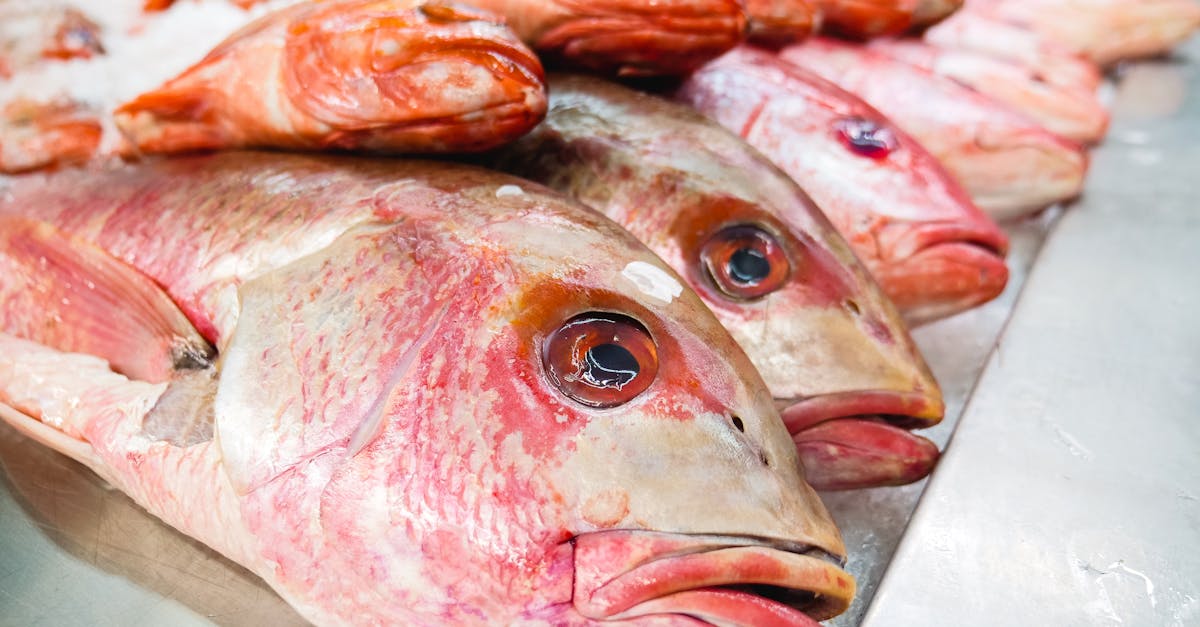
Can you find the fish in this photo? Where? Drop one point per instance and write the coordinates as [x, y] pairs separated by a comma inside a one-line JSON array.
[[406, 392], [1009, 164], [625, 37], [1075, 114], [777, 22], [932, 251], [1050, 61], [32, 33], [40, 134], [930, 12], [385, 76], [833, 351], [1105, 31]]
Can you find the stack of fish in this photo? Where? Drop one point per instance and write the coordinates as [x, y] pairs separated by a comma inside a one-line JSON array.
[[598, 386]]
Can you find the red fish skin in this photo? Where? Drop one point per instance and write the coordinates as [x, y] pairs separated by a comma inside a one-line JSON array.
[[625, 37], [460, 504], [1011, 165], [36, 135], [864, 19], [902, 213], [675, 180], [778, 22], [391, 76]]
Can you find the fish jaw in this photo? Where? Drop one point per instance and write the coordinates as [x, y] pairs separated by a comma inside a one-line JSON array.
[[376, 75], [628, 574], [851, 454], [631, 38], [38, 134], [777, 22]]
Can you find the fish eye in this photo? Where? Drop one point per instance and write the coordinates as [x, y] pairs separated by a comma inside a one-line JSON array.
[[745, 262], [601, 359], [865, 137]]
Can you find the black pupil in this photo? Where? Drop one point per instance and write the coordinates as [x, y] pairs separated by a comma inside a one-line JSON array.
[[748, 266], [609, 366], [866, 137]]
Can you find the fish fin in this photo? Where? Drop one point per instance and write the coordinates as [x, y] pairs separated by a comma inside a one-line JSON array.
[[177, 117], [64, 292]]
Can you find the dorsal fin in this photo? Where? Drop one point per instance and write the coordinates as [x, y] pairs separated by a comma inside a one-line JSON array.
[[66, 293]]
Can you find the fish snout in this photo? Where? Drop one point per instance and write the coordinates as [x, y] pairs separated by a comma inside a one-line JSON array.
[[854, 440], [727, 580], [1015, 171], [936, 270]]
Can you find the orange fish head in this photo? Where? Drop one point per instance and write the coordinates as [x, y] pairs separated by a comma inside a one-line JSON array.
[[436, 69]]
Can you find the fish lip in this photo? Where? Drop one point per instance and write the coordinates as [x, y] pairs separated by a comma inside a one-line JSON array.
[[909, 410], [681, 573]]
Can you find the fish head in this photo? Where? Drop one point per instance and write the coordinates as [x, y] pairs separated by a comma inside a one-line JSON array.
[[367, 65], [755, 249], [456, 409], [634, 38], [931, 249], [869, 18]]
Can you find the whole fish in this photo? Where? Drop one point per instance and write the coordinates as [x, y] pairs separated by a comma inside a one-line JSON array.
[[393, 76], [1075, 114], [1105, 31], [407, 393], [1050, 61], [831, 348], [778, 22], [931, 250], [1009, 163]]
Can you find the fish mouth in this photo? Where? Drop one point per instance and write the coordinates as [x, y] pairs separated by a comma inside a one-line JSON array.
[[854, 440], [943, 269], [718, 580], [646, 40]]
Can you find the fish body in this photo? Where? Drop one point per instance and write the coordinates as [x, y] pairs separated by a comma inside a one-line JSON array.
[[1052, 62], [931, 250], [1009, 163], [763, 258], [406, 393], [1105, 31], [391, 76], [1075, 114], [777, 22], [625, 37]]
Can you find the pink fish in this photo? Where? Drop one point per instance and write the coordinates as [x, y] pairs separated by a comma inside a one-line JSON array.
[[1105, 31], [831, 348], [1075, 114], [394, 76], [1009, 163], [407, 393], [1053, 62], [931, 250]]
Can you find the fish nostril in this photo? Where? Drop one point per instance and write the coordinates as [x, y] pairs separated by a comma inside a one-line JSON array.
[[763, 458], [852, 306], [737, 423]]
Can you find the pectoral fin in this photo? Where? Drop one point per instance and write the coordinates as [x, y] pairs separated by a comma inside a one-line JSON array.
[[68, 294]]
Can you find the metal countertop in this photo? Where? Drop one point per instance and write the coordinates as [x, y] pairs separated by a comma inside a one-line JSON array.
[[1069, 495]]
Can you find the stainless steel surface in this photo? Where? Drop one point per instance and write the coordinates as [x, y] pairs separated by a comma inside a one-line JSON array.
[[1069, 495], [1071, 492]]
